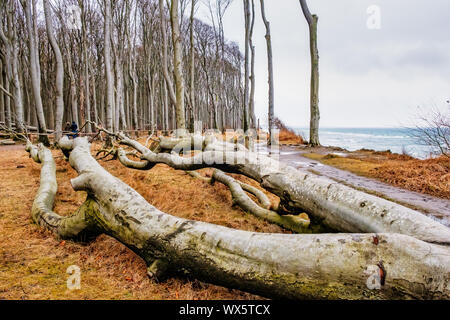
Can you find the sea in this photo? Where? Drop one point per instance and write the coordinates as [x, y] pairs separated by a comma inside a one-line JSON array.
[[397, 140]]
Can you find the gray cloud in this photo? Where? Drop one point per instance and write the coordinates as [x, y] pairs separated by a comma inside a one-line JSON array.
[[368, 77]]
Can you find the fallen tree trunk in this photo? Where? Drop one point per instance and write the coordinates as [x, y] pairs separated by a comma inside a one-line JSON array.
[[261, 196], [332, 204], [79, 224], [240, 198], [322, 266], [7, 142]]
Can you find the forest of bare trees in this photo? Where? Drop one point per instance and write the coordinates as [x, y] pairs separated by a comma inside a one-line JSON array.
[[128, 65], [119, 67]]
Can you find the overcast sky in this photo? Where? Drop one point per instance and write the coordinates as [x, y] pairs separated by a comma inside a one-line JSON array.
[[368, 78]]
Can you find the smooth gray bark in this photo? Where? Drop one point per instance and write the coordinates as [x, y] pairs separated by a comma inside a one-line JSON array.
[[322, 266], [314, 95], [59, 72], [178, 66], [168, 80], [271, 115], [332, 204], [108, 71], [246, 110], [35, 70]]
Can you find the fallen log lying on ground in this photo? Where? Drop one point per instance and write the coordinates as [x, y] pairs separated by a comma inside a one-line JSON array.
[[329, 203], [7, 142], [239, 197], [296, 266], [261, 196]]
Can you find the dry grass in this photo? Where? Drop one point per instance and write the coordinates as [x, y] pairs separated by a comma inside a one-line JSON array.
[[431, 176], [290, 137], [33, 262], [358, 166], [287, 135]]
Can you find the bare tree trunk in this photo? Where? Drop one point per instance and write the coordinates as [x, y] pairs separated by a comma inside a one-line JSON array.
[[270, 73], [87, 86], [73, 89], [8, 120], [252, 69], [2, 94], [10, 75], [94, 99], [246, 68], [35, 71], [166, 106], [178, 66], [192, 66], [108, 72], [314, 95], [162, 17], [335, 205], [272, 265], [59, 73], [18, 100], [6, 78], [120, 111]]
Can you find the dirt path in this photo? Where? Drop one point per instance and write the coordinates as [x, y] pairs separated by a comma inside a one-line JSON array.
[[437, 208]]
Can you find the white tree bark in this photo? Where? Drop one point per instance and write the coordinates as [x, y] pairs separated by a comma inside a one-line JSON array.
[[314, 95], [177, 66], [35, 70], [169, 84], [11, 59], [108, 70], [246, 110], [271, 115], [322, 266], [59, 72], [332, 204]]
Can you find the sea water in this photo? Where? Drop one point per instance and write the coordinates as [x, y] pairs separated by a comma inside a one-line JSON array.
[[397, 140]]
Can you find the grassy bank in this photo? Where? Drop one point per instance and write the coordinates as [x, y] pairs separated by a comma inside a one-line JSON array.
[[431, 176]]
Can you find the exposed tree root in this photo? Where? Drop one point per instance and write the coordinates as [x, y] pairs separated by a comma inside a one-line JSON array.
[[334, 205], [323, 266], [127, 162], [80, 224], [261, 196], [7, 142], [290, 222]]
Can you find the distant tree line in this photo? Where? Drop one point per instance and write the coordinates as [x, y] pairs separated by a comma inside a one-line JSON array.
[[128, 65], [132, 65]]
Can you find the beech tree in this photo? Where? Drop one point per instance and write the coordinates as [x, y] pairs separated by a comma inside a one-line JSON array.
[[312, 20], [405, 254], [59, 72], [108, 71], [118, 72], [271, 114], [31, 22], [119, 67]]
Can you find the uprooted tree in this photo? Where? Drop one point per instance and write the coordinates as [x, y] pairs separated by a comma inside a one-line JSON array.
[[392, 252]]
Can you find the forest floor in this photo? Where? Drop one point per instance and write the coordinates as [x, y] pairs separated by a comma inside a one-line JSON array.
[[33, 262]]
